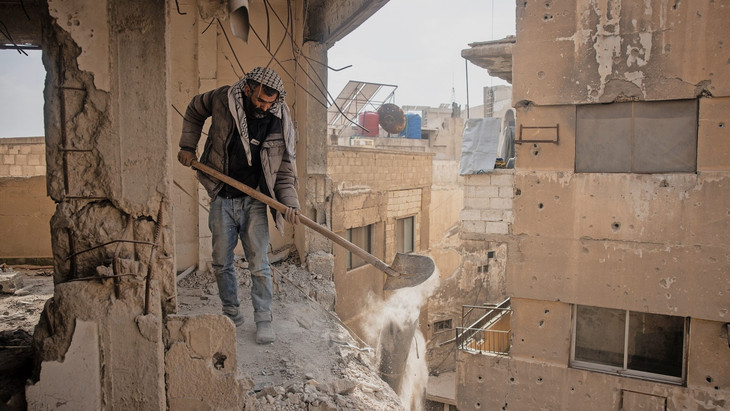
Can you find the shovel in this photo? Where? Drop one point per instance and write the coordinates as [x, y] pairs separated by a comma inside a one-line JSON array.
[[408, 270]]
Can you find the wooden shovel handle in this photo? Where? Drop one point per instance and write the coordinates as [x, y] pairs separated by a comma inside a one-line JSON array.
[[369, 258]]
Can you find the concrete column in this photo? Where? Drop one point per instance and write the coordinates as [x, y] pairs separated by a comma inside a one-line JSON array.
[[315, 188]]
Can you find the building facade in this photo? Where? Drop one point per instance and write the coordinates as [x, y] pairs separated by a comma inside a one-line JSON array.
[[617, 266]]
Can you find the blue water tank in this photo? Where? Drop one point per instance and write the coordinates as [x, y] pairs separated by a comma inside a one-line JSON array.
[[413, 126]]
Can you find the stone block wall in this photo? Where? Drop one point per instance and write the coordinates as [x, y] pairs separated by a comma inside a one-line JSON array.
[[22, 157], [378, 169], [402, 204], [26, 209], [488, 202], [375, 187], [25, 213]]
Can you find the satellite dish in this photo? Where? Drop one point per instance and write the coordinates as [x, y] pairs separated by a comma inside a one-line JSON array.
[[392, 118]]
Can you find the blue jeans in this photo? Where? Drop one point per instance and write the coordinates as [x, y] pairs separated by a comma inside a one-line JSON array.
[[244, 217]]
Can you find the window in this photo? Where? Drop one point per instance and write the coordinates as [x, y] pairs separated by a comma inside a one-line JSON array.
[[629, 343], [637, 137], [405, 234], [442, 325], [361, 237]]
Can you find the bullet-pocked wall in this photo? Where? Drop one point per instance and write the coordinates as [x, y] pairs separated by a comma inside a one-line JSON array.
[[621, 203]]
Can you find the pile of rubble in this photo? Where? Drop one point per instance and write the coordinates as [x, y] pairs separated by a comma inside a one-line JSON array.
[[315, 363], [23, 292]]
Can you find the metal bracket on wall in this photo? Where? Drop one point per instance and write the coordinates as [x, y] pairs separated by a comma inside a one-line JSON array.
[[520, 140]]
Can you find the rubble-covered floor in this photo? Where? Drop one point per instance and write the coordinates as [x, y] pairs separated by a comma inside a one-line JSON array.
[[24, 292], [314, 363]]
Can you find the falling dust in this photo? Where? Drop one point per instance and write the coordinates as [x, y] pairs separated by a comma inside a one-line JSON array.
[[403, 306]]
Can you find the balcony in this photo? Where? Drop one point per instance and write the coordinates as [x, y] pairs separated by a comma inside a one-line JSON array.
[[488, 331]]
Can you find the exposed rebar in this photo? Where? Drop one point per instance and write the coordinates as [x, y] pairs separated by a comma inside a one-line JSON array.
[[148, 279]]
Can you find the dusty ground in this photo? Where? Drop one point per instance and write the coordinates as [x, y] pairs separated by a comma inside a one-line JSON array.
[[20, 308], [314, 363], [312, 349]]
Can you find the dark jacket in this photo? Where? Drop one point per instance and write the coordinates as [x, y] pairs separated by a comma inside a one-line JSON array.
[[278, 166]]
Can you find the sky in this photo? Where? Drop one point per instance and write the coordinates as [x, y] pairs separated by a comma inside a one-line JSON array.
[[413, 44], [21, 94], [416, 45]]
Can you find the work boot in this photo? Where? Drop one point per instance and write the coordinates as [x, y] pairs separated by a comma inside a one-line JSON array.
[[234, 314], [264, 332]]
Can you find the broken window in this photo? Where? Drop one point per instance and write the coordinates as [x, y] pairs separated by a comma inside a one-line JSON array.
[[405, 235], [361, 237], [637, 137], [629, 343], [442, 325]]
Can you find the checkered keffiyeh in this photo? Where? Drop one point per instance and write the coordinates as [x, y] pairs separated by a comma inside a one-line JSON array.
[[268, 77]]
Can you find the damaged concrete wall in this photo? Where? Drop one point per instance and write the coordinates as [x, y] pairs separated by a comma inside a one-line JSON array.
[[127, 371], [107, 160], [473, 264], [200, 364], [648, 243], [656, 242], [608, 50], [106, 151], [537, 373], [331, 20], [471, 274], [117, 74]]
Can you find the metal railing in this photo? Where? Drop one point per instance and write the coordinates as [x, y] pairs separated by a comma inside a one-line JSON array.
[[488, 329], [483, 341]]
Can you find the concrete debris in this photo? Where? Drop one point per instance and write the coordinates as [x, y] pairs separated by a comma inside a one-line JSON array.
[[314, 364], [10, 282]]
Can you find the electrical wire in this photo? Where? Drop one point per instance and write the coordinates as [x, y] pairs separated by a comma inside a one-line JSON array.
[[297, 48], [230, 45], [5, 32]]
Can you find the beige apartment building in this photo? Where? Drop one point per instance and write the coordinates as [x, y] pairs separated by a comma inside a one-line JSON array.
[[617, 259], [25, 210], [593, 275]]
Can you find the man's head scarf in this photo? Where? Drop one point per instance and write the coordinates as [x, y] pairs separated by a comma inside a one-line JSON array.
[[267, 77]]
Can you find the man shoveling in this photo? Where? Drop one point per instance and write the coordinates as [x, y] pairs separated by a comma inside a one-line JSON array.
[[251, 139]]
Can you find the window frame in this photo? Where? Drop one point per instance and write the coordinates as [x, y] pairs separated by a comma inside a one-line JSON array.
[[624, 371], [443, 325], [400, 234], [368, 247], [630, 134]]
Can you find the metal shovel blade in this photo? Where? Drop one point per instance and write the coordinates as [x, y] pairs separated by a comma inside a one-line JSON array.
[[413, 269]]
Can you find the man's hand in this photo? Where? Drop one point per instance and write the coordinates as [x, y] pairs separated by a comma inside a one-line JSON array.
[[186, 157], [292, 216]]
